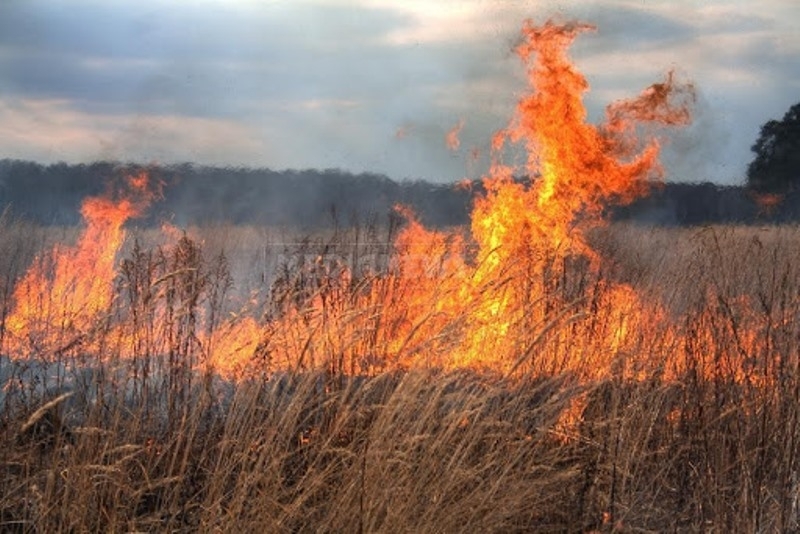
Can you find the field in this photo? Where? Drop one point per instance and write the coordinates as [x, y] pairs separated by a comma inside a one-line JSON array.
[[536, 371], [709, 443]]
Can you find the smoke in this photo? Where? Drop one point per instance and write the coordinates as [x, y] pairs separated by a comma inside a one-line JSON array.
[[317, 85], [699, 153]]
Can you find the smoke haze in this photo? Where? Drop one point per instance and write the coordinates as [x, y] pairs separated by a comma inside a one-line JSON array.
[[328, 84]]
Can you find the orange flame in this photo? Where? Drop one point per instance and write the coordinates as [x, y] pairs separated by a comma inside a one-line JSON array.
[[767, 203], [451, 139], [65, 293], [522, 226]]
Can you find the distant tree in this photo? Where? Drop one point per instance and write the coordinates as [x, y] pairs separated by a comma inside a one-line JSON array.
[[776, 167]]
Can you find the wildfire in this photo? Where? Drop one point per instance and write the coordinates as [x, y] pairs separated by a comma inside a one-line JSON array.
[[65, 292], [525, 229], [505, 294]]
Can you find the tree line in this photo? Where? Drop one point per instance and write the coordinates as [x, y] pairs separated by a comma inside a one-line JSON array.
[[52, 194]]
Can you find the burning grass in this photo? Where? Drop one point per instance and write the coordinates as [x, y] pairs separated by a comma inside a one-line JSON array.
[[537, 371], [143, 444]]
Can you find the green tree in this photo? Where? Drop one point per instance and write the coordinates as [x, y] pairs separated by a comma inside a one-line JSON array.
[[776, 167]]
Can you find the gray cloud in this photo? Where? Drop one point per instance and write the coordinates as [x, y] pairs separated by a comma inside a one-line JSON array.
[[105, 56], [321, 85]]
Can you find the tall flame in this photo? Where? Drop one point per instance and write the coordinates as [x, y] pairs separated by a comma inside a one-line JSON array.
[[65, 292], [577, 167], [521, 227]]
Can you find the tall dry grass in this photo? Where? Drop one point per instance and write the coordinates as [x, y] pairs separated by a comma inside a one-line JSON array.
[[111, 444]]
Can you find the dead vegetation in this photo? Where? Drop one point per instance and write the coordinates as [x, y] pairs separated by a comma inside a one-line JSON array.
[[98, 442]]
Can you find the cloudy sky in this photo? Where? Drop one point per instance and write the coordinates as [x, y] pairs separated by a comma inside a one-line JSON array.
[[367, 85]]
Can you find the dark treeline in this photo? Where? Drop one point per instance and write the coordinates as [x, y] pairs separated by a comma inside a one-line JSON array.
[[689, 204], [52, 194]]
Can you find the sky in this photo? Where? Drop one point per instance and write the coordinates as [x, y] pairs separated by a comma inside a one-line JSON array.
[[368, 85]]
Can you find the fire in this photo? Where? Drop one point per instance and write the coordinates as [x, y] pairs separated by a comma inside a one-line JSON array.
[[494, 298], [578, 167], [523, 229], [507, 294], [767, 202], [452, 139], [65, 293]]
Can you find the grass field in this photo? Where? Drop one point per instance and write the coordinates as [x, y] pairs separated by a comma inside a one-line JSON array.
[[693, 424], [537, 371]]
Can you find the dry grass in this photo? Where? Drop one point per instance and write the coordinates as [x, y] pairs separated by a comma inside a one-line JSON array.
[[147, 446]]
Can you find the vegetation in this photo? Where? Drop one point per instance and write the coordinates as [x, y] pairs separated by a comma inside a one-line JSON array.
[[100, 442], [193, 195], [776, 167], [52, 194], [537, 371]]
